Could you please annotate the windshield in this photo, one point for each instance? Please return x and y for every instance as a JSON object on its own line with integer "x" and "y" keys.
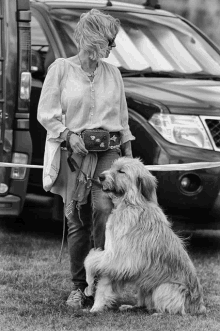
{"x": 148, "y": 42}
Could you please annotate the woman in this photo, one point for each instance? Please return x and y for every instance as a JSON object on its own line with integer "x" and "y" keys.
{"x": 83, "y": 92}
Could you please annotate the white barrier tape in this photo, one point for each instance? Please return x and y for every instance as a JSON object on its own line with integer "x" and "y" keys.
{"x": 19, "y": 165}
{"x": 183, "y": 166}
{"x": 163, "y": 167}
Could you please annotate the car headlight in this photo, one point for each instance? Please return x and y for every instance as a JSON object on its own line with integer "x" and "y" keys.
{"x": 181, "y": 130}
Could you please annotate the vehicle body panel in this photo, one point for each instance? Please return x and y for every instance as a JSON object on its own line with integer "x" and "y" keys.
{"x": 149, "y": 95}
{"x": 186, "y": 96}
{"x": 146, "y": 96}
{"x": 15, "y": 22}
{"x": 9, "y": 70}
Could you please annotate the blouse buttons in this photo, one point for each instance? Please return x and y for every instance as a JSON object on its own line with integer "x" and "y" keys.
{"x": 93, "y": 98}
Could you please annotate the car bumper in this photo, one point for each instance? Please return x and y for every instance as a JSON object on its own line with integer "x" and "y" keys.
{"x": 203, "y": 197}
{"x": 10, "y": 205}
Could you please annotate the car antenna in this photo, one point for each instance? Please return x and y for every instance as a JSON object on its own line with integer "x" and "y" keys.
{"x": 152, "y": 3}
{"x": 109, "y": 4}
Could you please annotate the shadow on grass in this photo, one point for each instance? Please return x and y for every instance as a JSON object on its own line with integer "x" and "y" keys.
{"x": 204, "y": 242}
{"x": 37, "y": 221}
{"x": 34, "y": 287}
{"x": 34, "y": 222}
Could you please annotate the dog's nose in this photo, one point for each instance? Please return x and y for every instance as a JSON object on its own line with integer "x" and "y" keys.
{"x": 102, "y": 177}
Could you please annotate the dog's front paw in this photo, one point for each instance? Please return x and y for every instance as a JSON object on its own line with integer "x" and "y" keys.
{"x": 126, "y": 307}
{"x": 89, "y": 291}
{"x": 97, "y": 309}
{"x": 156, "y": 314}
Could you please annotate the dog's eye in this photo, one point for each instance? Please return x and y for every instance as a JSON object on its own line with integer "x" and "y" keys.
{"x": 121, "y": 171}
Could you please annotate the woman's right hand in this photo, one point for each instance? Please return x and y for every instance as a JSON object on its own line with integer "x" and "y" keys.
{"x": 77, "y": 145}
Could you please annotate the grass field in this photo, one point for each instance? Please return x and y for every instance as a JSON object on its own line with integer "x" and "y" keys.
{"x": 34, "y": 286}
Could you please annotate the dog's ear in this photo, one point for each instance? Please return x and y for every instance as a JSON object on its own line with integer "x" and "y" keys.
{"x": 147, "y": 186}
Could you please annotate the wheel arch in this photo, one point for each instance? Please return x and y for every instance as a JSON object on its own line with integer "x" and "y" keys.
{"x": 144, "y": 146}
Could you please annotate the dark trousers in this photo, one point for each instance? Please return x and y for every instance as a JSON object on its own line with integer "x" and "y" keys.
{"x": 88, "y": 224}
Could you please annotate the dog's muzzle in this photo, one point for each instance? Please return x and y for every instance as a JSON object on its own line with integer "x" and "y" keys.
{"x": 103, "y": 183}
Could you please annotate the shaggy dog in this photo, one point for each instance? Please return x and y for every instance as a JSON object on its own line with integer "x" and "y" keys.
{"x": 141, "y": 248}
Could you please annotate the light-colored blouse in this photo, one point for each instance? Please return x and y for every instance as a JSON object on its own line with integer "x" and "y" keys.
{"x": 70, "y": 100}
{"x": 69, "y": 94}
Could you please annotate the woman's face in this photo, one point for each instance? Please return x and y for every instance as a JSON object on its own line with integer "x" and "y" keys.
{"x": 111, "y": 44}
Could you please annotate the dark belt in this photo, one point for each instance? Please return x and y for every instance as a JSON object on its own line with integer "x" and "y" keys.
{"x": 115, "y": 138}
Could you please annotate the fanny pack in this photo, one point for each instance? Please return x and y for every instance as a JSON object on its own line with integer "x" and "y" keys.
{"x": 99, "y": 140}
{"x": 95, "y": 140}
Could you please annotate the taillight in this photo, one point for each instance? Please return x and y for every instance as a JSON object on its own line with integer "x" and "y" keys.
{"x": 19, "y": 172}
{"x": 25, "y": 86}
{"x": 3, "y": 188}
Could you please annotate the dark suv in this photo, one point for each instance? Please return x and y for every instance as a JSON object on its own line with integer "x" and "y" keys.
{"x": 171, "y": 73}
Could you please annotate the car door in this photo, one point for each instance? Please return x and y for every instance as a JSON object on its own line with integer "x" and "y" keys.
{"x": 42, "y": 56}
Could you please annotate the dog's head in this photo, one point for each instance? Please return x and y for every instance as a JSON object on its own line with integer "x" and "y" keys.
{"x": 130, "y": 179}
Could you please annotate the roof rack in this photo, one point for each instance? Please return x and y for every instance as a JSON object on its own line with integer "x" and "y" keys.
{"x": 152, "y": 4}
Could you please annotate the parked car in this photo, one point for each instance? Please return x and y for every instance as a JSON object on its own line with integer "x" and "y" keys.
{"x": 171, "y": 73}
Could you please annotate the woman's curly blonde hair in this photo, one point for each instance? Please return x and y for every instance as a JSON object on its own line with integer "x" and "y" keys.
{"x": 93, "y": 31}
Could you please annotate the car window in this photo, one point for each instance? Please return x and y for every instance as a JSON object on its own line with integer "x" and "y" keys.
{"x": 38, "y": 38}
{"x": 65, "y": 22}
{"x": 41, "y": 53}
{"x": 148, "y": 41}
{"x": 156, "y": 46}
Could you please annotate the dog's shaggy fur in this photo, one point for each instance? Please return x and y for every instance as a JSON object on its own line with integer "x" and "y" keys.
{"x": 141, "y": 248}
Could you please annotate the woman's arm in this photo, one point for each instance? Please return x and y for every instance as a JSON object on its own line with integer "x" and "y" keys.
{"x": 126, "y": 149}
{"x": 49, "y": 108}
{"x": 63, "y": 134}
{"x": 76, "y": 142}
{"x": 126, "y": 135}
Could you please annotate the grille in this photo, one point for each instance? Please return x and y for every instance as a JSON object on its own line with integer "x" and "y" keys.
{"x": 214, "y": 128}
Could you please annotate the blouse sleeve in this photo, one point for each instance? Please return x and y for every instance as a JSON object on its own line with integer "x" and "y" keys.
{"x": 126, "y": 134}
{"x": 49, "y": 112}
